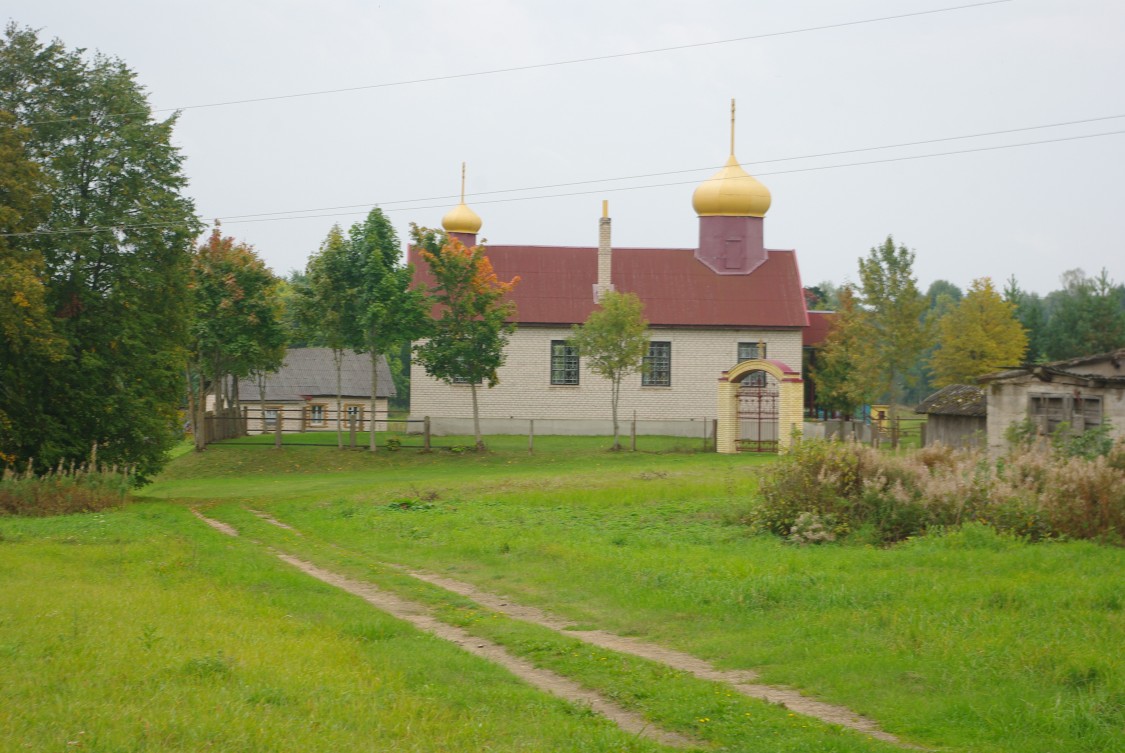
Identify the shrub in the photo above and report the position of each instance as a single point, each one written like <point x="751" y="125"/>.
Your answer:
<point x="1069" y="489"/>
<point x="63" y="490"/>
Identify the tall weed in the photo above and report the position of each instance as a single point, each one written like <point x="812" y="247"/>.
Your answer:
<point x="1037" y="491"/>
<point x="87" y="487"/>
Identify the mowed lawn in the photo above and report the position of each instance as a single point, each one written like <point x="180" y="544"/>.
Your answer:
<point x="965" y="641"/>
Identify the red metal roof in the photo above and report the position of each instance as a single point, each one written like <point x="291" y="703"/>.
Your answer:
<point x="819" y="324"/>
<point x="557" y="286"/>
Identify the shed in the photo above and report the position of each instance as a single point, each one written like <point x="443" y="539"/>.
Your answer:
<point x="301" y="395"/>
<point x="957" y="416"/>
<point x="1073" y="395"/>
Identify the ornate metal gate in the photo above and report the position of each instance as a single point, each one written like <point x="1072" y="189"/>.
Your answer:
<point x="758" y="406"/>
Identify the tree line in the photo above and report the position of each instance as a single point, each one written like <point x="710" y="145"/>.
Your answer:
<point x="116" y="329"/>
<point x="890" y="342"/>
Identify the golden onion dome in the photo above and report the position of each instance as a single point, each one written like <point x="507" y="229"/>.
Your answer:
<point x="461" y="219"/>
<point x="731" y="192"/>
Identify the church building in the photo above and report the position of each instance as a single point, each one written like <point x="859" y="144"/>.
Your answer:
<point x="725" y="325"/>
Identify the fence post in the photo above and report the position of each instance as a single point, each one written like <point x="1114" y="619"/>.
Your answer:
<point x="922" y="435"/>
<point x="715" y="434"/>
<point x="633" y="432"/>
<point x="277" y="428"/>
<point x="426" y="434"/>
<point x="351" y="432"/>
<point x="530" y="436"/>
<point x="894" y="433"/>
<point x="705" y="434"/>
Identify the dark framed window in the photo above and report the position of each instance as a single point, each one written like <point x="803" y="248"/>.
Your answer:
<point x="748" y="351"/>
<point x="564" y="363"/>
<point x="658" y="365"/>
<point x="1080" y="411"/>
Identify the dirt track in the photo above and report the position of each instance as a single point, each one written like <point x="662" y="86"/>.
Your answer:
<point x="419" y="616"/>
<point x="742" y="681"/>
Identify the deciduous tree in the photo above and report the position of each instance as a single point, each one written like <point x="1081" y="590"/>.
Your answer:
<point x="843" y="371"/>
<point x="613" y="342"/>
<point x="27" y="335"/>
<point x="237" y="327"/>
<point x="115" y="250"/>
<point x="980" y="335"/>
<point x="892" y="312"/>
<point x="391" y="312"/>
<point x="334" y="275"/>
<point x="467" y="339"/>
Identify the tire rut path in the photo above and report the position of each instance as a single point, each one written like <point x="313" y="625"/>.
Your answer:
<point x="420" y="617"/>
<point x="742" y="681"/>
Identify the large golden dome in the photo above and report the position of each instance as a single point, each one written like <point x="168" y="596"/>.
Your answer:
<point x="731" y="192"/>
<point x="461" y="219"/>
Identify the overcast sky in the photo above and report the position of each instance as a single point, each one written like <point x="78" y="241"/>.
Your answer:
<point x="1032" y="211"/>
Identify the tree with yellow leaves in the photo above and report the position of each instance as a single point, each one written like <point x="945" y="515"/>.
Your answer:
<point x="979" y="336"/>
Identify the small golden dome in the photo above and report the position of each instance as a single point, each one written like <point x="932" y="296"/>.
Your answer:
<point x="461" y="219"/>
<point x="731" y="192"/>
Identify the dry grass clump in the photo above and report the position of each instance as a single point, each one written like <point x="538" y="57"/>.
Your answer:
<point x="1037" y="491"/>
<point x="65" y="489"/>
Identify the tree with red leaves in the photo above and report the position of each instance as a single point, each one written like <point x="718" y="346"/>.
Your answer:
<point x="467" y="339"/>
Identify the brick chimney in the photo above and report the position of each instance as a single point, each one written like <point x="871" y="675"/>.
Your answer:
<point x="605" y="256"/>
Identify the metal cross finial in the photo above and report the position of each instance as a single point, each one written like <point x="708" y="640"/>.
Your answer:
<point x="732" y="126"/>
<point x="462" y="182"/>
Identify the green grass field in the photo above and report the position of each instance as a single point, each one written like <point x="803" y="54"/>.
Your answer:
<point x="143" y="629"/>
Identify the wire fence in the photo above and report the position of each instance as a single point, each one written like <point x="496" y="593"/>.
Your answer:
<point x="281" y="426"/>
<point x="284" y="426"/>
<point x="901" y="431"/>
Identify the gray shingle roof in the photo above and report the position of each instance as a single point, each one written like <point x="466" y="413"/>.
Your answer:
<point x="955" y="400"/>
<point x="312" y="372"/>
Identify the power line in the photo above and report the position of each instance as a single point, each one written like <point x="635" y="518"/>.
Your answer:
<point x="551" y="64"/>
<point x="67" y="231"/>
<point x="680" y="172"/>
<point x="690" y="182"/>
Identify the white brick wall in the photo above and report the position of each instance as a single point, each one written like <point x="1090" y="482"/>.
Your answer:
<point x="698" y="359"/>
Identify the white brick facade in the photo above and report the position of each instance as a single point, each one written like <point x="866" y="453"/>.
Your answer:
<point x="698" y="358"/>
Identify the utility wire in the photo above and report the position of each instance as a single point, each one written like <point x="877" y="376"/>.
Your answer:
<point x="679" y="172"/>
<point x="551" y="64"/>
<point x="886" y="160"/>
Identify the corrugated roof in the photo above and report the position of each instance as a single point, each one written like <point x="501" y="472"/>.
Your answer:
<point x="955" y="400"/>
<point x="312" y="372"/>
<point x="556" y="286"/>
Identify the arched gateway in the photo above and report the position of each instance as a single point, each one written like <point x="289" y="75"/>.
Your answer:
<point x="761" y="402"/>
